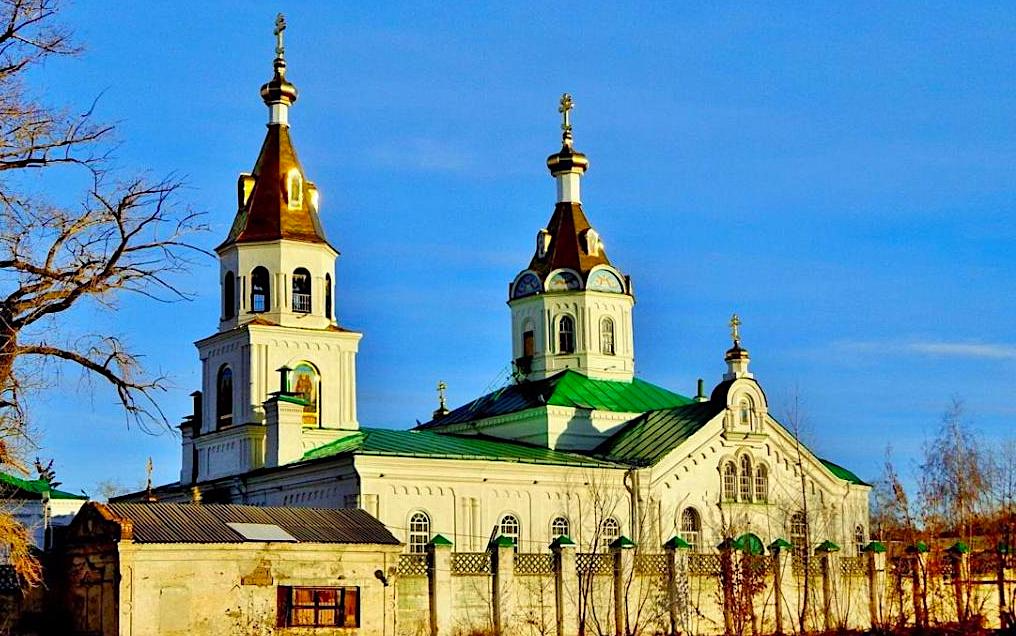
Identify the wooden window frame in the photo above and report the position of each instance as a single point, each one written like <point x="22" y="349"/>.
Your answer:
<point x="288" y="607"/>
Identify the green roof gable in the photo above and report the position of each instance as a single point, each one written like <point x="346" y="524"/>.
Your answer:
<point x="843" y="473"/>
<point x="17" y="488"/>
<point x="648" y="438"/>
<point x="380" y="441"/>
<point x="568" y="388"/>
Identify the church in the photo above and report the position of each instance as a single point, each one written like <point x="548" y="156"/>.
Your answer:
<point x="575" y="445"/>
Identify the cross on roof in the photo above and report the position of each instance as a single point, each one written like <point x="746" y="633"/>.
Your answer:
<point x="735" y="331"/>
<point x="441" y="388"/>
<point x="280" y="26"/>
<point x="565" y="109"/>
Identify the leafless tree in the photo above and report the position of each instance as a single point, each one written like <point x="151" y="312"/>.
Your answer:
<point x="121" y="234"/>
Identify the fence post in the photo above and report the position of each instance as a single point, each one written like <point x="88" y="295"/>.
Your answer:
<point x="624" y="568"/>
<point x="830" y="580"/>
<point x="781" y="555"/>
<point x="566" y="591"/>
<point x="726" y="548"/>
<point x="875" y="552"/>
<point x="439" y="585"/>
<point x="674" y="604"/>
<point x="917" y="579"/>
<point x="1002" y="552"/>
<point x="503" y="575"/>
<point x="960" y="575"/>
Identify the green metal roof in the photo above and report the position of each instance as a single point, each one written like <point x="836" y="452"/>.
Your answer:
<point x="842" y="473"/>
<point x="568" y="388"/>
<point x="417" y="443"/>
<point x="15" y="487"/>
<point x="648" y="438"/>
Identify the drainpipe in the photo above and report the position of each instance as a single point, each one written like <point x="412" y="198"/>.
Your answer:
<point x="631" y="484"/>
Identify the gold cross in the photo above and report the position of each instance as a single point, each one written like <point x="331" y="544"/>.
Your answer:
<point x="280" y="26"/>
<point x="441" y="388"/>
<point x="565" y="109"/>
<point x="735" y="332"/>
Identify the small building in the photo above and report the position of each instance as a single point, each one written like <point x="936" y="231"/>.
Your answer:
<point x="180" y="569"/>
<point x="39" y="506"/>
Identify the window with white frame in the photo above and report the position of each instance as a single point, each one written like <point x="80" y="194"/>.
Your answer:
<point x="419" y="532"/>
<point x="691" y="528"/>
<point x="746" y="480"/>
<point x="607" y="336"/>
<point x="729" y="481"/>
<point x="566" y="334"/>
<point x="610" y="530"/>
<point x="762" y="484"/>
<point x="799" y="533"/>
<point x="511" y="528"/>
<point x="559" y="527"/>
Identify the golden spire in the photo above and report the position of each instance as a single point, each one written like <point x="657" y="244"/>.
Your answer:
<point x="565" y="109"/>
<point x="735" y="330"/>
<point x="279" y="94"/>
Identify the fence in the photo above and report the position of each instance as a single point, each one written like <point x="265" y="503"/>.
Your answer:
<point x="504" y="592"/>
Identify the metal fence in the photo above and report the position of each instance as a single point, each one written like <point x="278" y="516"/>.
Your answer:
<point x="594" y="563"/>
<point x="533" y="564"/>
<point x="465" y="563"/>
<point x="412" y="565"/>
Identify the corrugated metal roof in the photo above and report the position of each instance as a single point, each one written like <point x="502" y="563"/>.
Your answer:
<point x="568" y="388"/>
<point x="379" y="441"/>
<point x="196" y="523"/>
<point x="648" y="438"/>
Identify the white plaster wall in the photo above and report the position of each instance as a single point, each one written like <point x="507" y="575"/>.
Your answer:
<point x="587" y="308"/>
<point x="182" y="589"/>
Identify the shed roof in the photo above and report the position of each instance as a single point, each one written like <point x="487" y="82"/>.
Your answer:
<point x="197" y="523"/>
<point x="567" y="388"/>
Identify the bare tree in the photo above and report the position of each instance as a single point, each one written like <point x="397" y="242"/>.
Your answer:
<point x="120" y="235"/>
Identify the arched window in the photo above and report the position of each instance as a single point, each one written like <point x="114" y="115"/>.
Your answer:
<point x="511" y="528"/>
<point x="229" y="296"/>
<point x="305" y="382"/>
<point x="744" y="412"/>
<point x="762" y="484"/>
<point x="559" y="527"/>
<point x="328" y="296"/>
<point x="224" y="397"/>
<point x="746" y="479"/>
<point x="729" y="481"/>
<point x="610" y="530"/>
<point x="566" y="334"/>
<point x="691" y="528"/>
<point x="799" y="533"/>
<point x="301" y="291"/>
<point x="419" y="532"/>
<point x="607" y="336"/>
<point x="260" y="290"/>
<point x="294" y="189"/>
<point x="528" y="339"/>
<point x="859" y="541"/>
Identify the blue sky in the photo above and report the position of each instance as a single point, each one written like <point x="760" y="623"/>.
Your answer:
<point x="840" y="177"/>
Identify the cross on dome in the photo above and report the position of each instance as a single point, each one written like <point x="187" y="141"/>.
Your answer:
<point x="280" y="26"/>
<point x="565" y="108"/>
<point x="735" y="331"/>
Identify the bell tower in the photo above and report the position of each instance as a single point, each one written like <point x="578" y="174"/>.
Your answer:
<point x="278" y="334"/>
<point x="571" y="308"/>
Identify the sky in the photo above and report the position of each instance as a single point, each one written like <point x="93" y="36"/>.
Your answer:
<point x="841" y="177"/>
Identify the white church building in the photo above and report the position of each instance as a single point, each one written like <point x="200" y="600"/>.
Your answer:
<point x="574" y="445"/>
